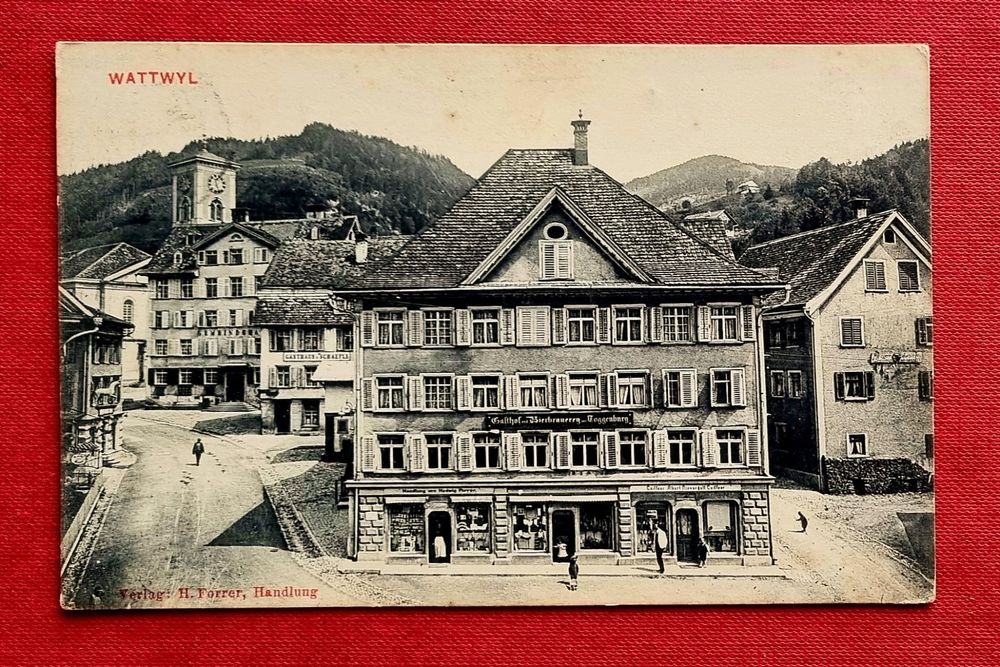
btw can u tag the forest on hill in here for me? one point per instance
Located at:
(392, 188)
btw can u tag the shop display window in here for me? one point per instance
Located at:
(720, 526)
(596, 525)
(472, 525)
(406, 529)
(530, 529)
(647, 517)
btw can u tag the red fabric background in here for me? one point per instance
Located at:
(957, 629)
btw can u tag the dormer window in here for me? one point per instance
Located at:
(215, 210)
(314, 232)
(889, 236)
(178, 258)
(555, 260)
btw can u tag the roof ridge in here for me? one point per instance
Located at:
(111, 247)
(836, 225)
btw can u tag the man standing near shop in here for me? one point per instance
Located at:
(660, 545)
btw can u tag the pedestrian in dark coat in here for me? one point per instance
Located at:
(702, 552)
(804, 521)
(198, 450)
(574, 572)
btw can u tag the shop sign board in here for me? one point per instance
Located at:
(557, 420)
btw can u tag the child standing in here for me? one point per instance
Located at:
(574, 572)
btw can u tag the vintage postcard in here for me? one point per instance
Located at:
(358, 325)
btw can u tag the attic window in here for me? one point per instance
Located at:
(314, 232)
(235, 238)
(178, 258)
(889, 236)
(555, 231)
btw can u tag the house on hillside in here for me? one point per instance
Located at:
(554, 368)
(849, 357)
(109, 278)
(748, 188)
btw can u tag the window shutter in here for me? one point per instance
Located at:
(541, 326)
(463, 327)
(368, 453)
(463, 392)
(190, 318)
(921, 331)
(272, 377)
(414, 328)
(604, 326)
(201, 256)
(174, 347)
(250, 287)
(704, 324)
(610, 441)
(416, 450)
(838, 386)
(689, 388)
(201, 318)
(507, 326)
(709, 455)
(608, 390)
(870, 385)
(562, 456)
(367, 329)
(660, 457)
(564, 259)
(415, 390)
(512, 447)
(238, 321)
(749, 323)
(177, 319)
(655, 324)
(547, 263)
(367, 393)
(224, 288)
(737, 377)
(225, 257)
(562, 390)
(152, 319)
(463, 447)
(753, 448)
(559, 323)
(298, 375)
(250, 345)
(925, 389)
(213, 347)
(511, 392)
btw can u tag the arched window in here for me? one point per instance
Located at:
(184, 209)
(215, 210)
(128, 310)
(178, 257)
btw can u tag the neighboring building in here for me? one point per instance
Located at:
(848, 355)
(552, 368)
(747, 188)
(204, 344)
(109, 278)
(697, 222)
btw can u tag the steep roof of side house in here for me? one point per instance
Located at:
(100, 262)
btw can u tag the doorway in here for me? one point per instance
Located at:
(282, 416)
(563, 535)
(687, 535)
(235, 386)
(439, 537)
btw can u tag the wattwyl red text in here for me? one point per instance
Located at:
(152, 78)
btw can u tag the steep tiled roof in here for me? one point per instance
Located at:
(811, 261)
(101, 261)
(709, 215)
(449, 250)
(303, 263)
(713, 232)
(315, 311)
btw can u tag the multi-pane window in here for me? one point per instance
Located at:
(722, 387)
(632, 448)
(183, 319)
(909, 275)
(160, 347)
(211, 257)
(778, 384)
(128, 310)
(162, 288)
(795, 389)
(439, 451)
(161, 319)
(260, 255)
(925, 331)
(725, 323)
(437, 392)
(486, 391)
(437, 327)
(311, 339)
(584, 448)
(676, 324)
(211, 318)
(730, 446)
(486, 327)
(187, 347)
(628, 325)
(309, 372)
(534, 391)
(389, 393)
(234, 317)
(281, 340)
(680, 447)
(857, 444)
(236, 286)
(235, 256)
(874, 276)
(583, 390)
(486, 449)
(310, 413)
(390, 451)
(160, 376)
(389, 327)
(536, 450)
(283, 376)
(854, 385)
(185, 376)
(633, 389)
(582, 326)
(187, 288)
(852, 332)
(211, 376)
(720, 526)
(211, 287)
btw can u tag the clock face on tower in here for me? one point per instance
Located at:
(216, 183)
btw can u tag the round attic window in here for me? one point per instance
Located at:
(555, 231)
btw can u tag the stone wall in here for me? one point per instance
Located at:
(371, 527)
(756, 526)
(845, 476)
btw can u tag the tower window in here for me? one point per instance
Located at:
(184, 209)
(215, 210)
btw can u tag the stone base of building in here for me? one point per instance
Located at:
(866, 476)
(810, 479)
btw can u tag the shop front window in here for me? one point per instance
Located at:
(647, 517)
(472, 524)
(530, 530)
(720, 526)
(595, 525)
(406, 529)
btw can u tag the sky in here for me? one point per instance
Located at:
(651, 107)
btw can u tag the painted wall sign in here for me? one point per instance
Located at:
(316, 356)
(557, 420)
(645, 488)
(893, 357)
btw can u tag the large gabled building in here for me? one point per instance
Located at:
(553, 368)
(848, 355)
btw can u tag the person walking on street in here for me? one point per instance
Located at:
(702, 552)
(574, 572)
(198, 450)
(660, 545)
(804, 521)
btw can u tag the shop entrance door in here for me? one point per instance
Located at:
(687, 535)
(235, 386)
(282, 416)
(563, 535)
(439, 537)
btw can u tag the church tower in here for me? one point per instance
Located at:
(203, 189)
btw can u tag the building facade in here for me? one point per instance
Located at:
(554, 368)
(849, 356)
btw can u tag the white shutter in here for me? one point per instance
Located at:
(238, 321)
(507, 336)
(753, 448)
(463, 452)
(190, 318)
(463, 392)
(562, 390)
(414, 328)
(564, 259)
(463, 327)
(660, 454)
(250, 345)
(201, 318)
(749, 323)
(177, 319)
(367, 329)
(250, 286)
(704, 324)
(610, 441)
(367, 393)
(368, 453)
(547, 264)
(272, 378)
(415, 391)
(737, 377)
(562, 455)
(559, 323)
(511, 392)
(174, 347)
(655, 329)
(512, 447)
(689, 388)
(709, 451)
(213, 347)
(415, 447)
(604, 326)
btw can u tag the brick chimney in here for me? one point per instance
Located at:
(860, 207)
(580, 140)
